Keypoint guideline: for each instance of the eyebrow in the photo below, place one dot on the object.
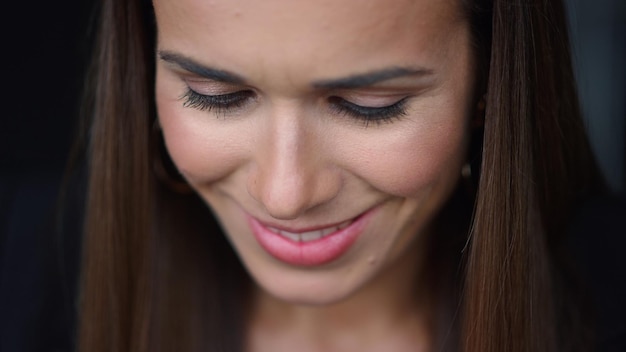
(199, 69)
(350, 82)
(371, 78)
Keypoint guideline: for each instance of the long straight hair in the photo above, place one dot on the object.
(536, 165)
(158, 274)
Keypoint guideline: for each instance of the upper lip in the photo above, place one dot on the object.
(307, 228)
(302, 229)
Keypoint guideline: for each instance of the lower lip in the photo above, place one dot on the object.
(312, 253)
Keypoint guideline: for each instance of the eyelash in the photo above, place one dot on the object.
(224, 103)
(367, 114)
(219, 104)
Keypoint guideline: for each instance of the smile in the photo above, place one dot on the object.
(310, 247)
(309, 236)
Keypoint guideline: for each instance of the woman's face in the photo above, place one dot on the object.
(324, 135)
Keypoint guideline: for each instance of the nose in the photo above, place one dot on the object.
(291, 173)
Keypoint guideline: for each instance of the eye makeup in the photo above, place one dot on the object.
(219, 104)
(220, 92)
(368, 114)
(230, 102)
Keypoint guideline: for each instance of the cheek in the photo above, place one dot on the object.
(202, 150)
(412, 161)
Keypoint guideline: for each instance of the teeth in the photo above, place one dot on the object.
(328, 231)
(292, 236)
(310, 235)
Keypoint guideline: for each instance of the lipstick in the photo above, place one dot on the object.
(309, 247)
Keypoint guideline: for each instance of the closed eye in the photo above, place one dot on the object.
(226, 103)
(367, 114)
(220, 104)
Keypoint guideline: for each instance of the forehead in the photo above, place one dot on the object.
(307, 35)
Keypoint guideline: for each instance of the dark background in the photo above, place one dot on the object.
(45, 46)
(44, 50)
(598, 31)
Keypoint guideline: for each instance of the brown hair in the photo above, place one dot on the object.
(158, 274)
(536, 164)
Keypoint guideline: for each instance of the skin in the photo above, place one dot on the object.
(287, 157)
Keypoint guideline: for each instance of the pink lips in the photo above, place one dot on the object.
(309, 253)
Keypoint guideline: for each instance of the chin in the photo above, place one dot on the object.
(308, 291)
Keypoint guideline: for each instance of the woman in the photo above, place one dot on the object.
(394, 175)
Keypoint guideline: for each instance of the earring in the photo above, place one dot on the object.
(466, 171)
(162, 165)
